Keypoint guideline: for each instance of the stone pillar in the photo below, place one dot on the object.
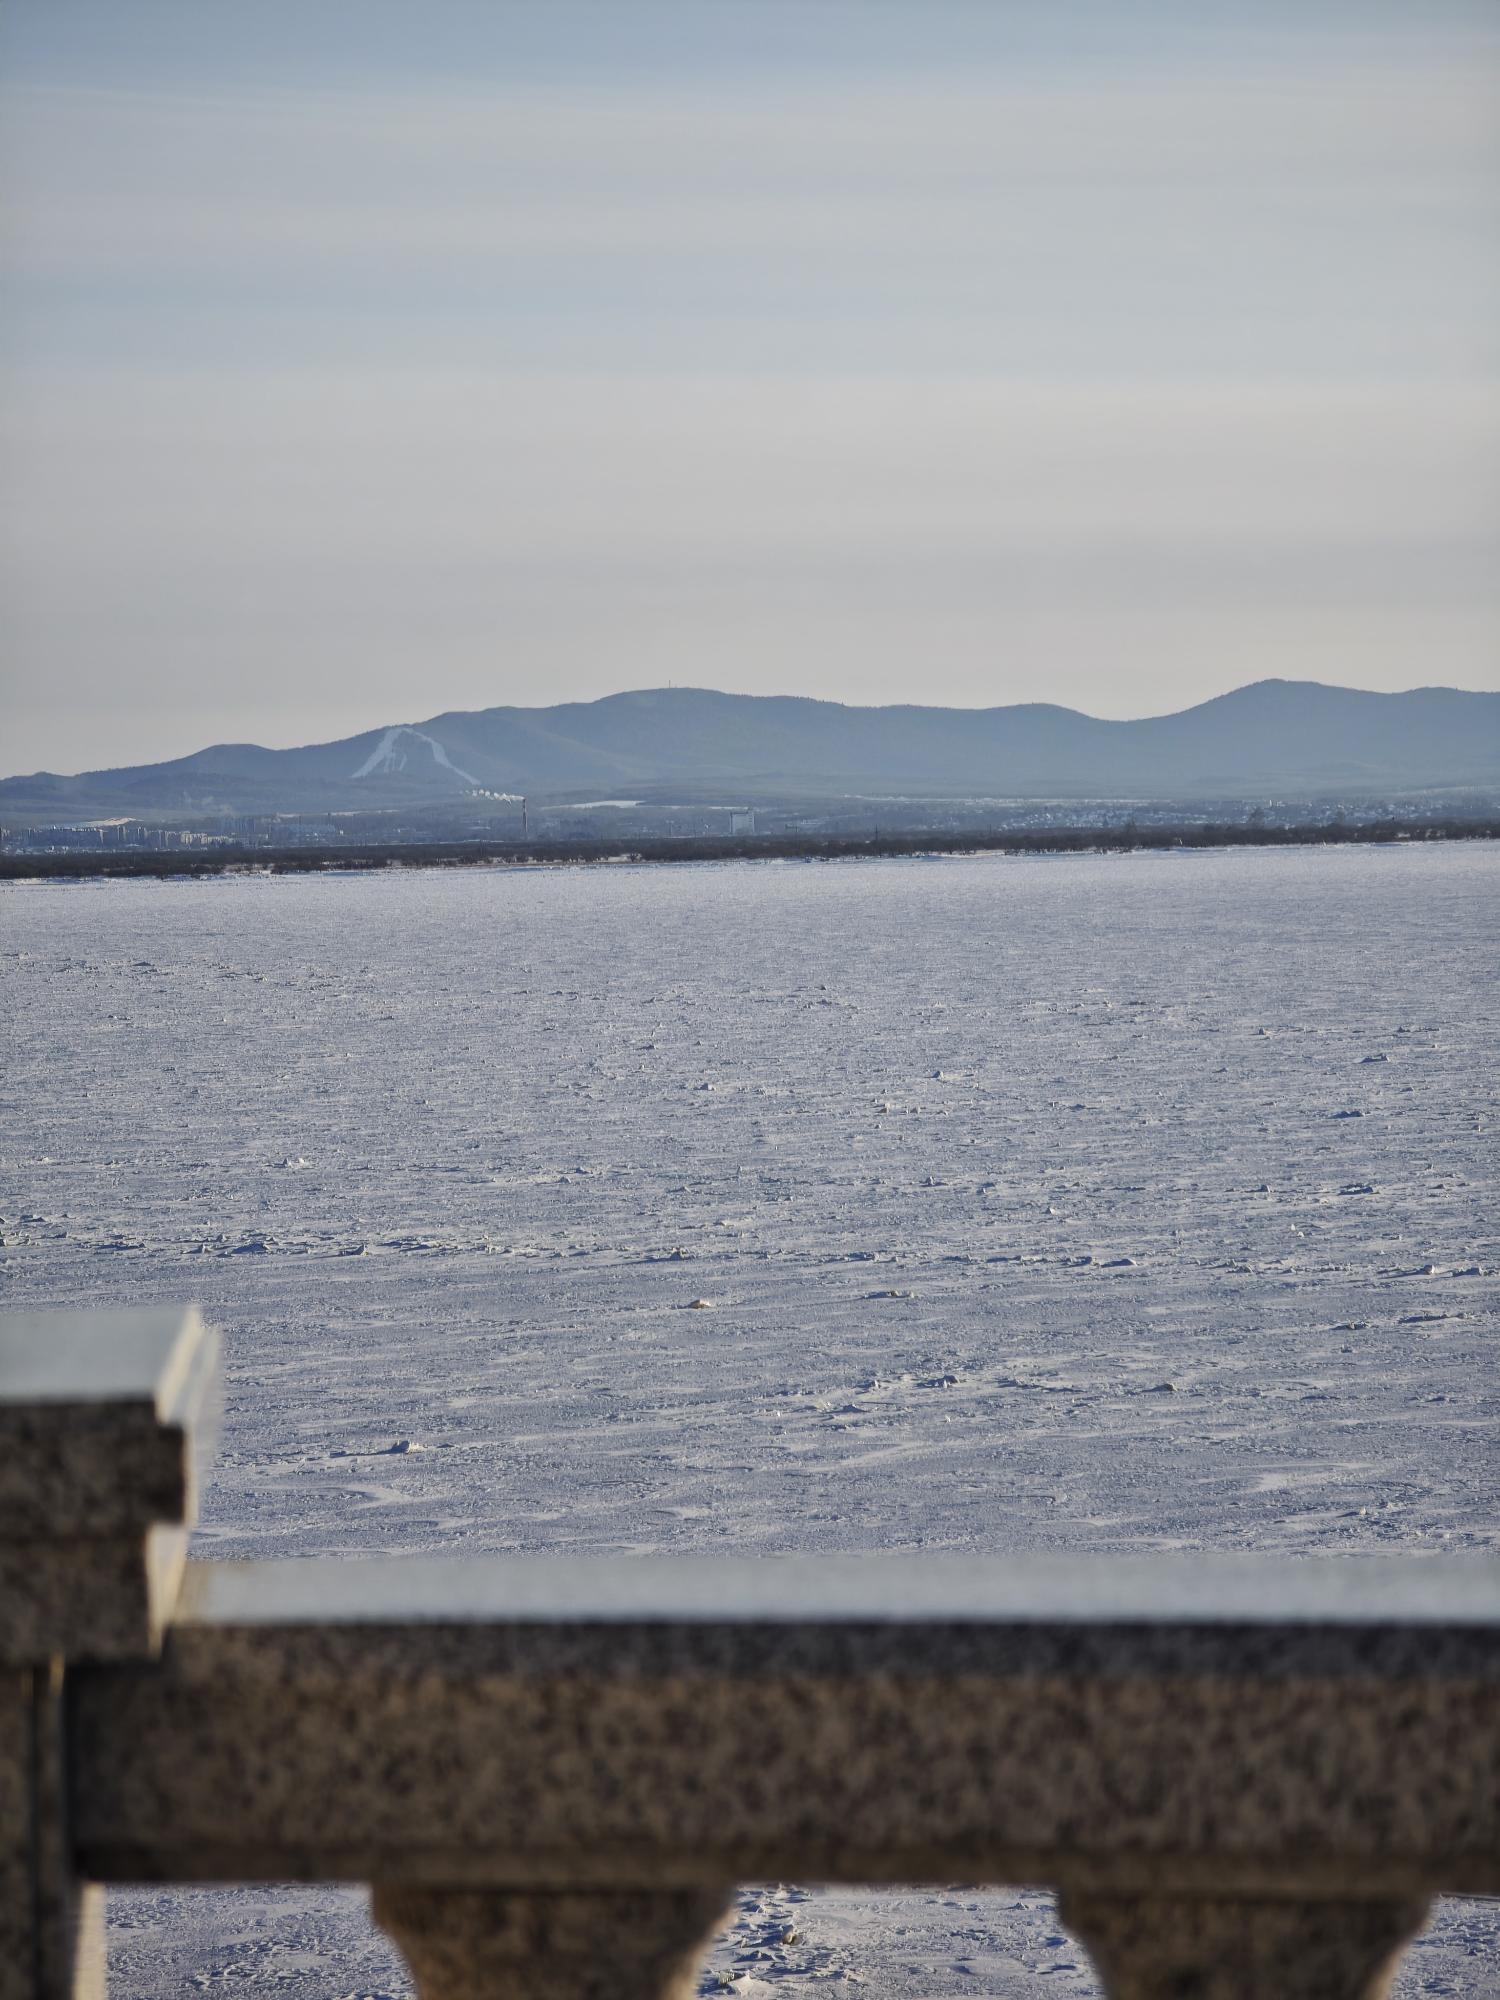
(1213, 1948)
(96, 1491)
(501, 1944)
(51, 1927)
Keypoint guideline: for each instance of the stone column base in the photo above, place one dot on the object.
(1211, 1948)
(498, 1944)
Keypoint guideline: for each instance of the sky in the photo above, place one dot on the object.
(361, 360)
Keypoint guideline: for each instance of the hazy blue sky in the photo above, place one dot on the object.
(362, 360)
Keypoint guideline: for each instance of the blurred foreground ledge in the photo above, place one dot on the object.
(1246, 1776)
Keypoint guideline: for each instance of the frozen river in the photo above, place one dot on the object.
(1099, 1203)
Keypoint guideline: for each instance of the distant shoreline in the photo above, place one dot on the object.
(363, 857)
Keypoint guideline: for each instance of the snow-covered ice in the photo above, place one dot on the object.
(1100, 1203)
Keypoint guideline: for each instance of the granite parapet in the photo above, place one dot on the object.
(540, 1730)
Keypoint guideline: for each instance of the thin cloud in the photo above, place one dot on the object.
(1110, 351)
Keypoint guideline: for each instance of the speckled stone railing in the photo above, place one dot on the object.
(1247, 1778)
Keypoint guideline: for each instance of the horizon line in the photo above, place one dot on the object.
(731, 694)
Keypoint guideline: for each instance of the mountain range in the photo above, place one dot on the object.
(1271, 737)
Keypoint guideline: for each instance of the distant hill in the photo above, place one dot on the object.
(1296, 737)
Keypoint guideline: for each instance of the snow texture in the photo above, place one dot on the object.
(1135, 1202)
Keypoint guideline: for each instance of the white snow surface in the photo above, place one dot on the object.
(390, 754)
(971, 1158)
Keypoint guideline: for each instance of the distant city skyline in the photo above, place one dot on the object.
(362, 362)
